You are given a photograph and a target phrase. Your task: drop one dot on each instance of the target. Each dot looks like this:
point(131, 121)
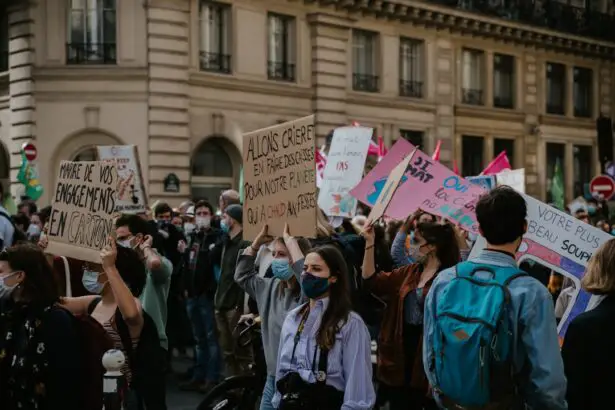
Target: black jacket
point(199, 275)
point(589, 358)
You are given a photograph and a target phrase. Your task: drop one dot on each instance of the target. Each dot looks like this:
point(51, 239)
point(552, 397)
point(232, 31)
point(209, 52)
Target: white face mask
point(5, 290)
point(126, 243)
point(188, 228)
point(203, 222)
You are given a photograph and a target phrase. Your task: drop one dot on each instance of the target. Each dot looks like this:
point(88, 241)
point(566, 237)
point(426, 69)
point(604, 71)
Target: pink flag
point(436, 152)
point(499, 163)
point(321, 163)
point(382, 150)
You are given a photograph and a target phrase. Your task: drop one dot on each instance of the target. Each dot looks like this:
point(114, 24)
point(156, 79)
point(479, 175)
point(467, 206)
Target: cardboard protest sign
point(562, 243)
point(389, 189)
point(344, 170)
point(131, 195)
point(513, 178)
point(83, 209)
point(280, 179)
point(486, 181)
point(426, 185)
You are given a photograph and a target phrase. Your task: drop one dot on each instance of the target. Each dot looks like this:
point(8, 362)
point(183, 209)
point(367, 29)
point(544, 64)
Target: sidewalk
point(176, 399)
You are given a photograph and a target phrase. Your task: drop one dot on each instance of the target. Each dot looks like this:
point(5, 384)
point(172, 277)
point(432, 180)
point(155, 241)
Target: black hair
point(38, 286)
point(135, 224)
point(444, 238)
point(132, 269)
point(162, 208)
point(44, 214)
point(204, 204)
point(21, 219)
point(501, 215)
point(32, 208)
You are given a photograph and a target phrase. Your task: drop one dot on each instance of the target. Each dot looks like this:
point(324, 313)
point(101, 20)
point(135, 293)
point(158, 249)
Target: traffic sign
point(30, 151)
point(603, 184)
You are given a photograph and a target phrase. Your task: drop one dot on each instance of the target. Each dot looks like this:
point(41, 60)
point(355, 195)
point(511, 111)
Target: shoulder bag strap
point(323, 362)
point(69, 288)
point(93, 305)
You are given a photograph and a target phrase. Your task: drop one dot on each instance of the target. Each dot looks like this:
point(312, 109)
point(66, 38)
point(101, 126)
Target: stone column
point(530, 105)
point(22, 127)
point(331, 40)
point(444, 125)
point(168, 23)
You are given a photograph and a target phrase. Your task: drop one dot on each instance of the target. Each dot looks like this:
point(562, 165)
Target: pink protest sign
point(426, 185)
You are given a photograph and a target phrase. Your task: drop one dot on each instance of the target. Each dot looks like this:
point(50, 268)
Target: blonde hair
point(599, 277)
point(323, 229)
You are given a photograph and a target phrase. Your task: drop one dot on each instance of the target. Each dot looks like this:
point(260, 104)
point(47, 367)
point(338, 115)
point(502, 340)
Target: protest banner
point(561, 243)
point(83, 209)
point(280, 179)
point(389, 189)
point(131, 195)
point(514, 178)
point(426, 185)
point(486, 181)
point(344, 170)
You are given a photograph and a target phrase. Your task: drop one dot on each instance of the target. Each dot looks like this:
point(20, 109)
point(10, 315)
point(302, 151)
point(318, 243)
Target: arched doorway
point(214, 169)
point(86, 154)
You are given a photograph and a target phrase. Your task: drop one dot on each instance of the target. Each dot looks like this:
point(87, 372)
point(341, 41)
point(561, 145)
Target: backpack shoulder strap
point(500, 274)
point(93, 305)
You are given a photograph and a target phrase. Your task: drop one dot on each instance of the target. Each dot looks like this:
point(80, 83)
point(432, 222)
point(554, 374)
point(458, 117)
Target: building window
point(364, 59)
point(503, 81)
point(411, 57)
point(4, 40)
point(583, 165)
point(281, 64)
point(92, 32)
point(86, 154)
point(582, 92)
point(472, 77)
point(504, 144)
point(472, 155)
point(555, 155)
point(215, 54)
point(556, 88)
point(212, 170)
point(413, 137)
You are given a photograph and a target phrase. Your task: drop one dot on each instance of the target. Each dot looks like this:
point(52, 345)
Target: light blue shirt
point(535, 332)
point(349, 366)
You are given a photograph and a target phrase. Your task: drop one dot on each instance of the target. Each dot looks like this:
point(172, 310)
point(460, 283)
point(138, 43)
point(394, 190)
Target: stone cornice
point(83, 72)
point(462, 22)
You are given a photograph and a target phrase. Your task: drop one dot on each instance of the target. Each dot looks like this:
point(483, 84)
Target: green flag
point(241, 184)
point(557, 186)
point(28, 176)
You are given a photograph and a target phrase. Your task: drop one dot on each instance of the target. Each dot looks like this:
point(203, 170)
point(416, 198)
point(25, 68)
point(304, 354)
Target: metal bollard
point(114, 384)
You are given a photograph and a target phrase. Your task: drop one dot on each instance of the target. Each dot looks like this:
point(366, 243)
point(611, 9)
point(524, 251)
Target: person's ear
point(332, 279)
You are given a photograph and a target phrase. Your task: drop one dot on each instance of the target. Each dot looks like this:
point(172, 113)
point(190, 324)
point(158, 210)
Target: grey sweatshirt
point(273, 304)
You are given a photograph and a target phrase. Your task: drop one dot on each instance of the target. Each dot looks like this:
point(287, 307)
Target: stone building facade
point(182, 79)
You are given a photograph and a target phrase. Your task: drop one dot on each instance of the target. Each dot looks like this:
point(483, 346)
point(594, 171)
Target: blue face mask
point(591, 209)
point(613, 231)
point(223, 225)
point(281, 269)
point(90, 282)
point(313, 286)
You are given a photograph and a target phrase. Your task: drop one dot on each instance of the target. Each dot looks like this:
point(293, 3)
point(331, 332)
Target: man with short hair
point(228, 198)
point(536, 360)
point(229, 299)
point(163, 212)
point(7, 230)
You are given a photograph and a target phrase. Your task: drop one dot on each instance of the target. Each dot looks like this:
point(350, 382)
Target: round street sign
point(30, 151)
point(603, 184)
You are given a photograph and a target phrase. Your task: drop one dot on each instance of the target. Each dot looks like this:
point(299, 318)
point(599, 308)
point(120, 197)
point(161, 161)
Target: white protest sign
point(344, 170)
point(131, 189)
point(513, 178)
point(562, 243)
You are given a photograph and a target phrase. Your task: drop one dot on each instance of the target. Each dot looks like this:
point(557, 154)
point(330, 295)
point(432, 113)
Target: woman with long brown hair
point(435, 247)
point(275, 296)
point(324, 357)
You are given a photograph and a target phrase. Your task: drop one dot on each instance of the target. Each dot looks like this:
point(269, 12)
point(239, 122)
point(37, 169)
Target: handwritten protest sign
point(389, 189)
point(344, 170)
point(131, 196)
point(84, 203)
point(486, 181)
point(562, 243)
point(513, 178)
point(280, 179)
point(426, 185)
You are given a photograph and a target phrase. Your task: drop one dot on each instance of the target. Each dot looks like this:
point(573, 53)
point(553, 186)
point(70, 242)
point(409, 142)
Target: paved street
point(176, 399)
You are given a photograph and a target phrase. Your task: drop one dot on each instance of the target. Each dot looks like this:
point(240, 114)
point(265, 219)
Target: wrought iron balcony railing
point(582, 112)
point(500, 101)
point(472, 96)
point(215, 62)
point(365, 82)
point(91, 53)
point(412, 89)
point(556, 108)
point(281, 71)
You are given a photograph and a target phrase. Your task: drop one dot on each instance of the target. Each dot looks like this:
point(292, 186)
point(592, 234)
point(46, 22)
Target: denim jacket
point(536, 348)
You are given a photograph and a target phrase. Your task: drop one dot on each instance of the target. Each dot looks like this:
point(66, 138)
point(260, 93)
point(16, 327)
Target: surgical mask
point(90, 282)
point(34, 231)
point(126, 243)
point(281, 269)
point(203, 222)
point(224, 226)
point(313, 286)
point(5, 290)
point(188, 228)
point(591, 210)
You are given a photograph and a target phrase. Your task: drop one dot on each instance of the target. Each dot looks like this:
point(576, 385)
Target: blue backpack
point(473, 339)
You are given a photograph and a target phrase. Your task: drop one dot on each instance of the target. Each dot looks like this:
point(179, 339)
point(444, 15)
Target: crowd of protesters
point(178, 281)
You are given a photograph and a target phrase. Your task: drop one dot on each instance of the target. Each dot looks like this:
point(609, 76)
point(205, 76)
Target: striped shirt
point(117, 344)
